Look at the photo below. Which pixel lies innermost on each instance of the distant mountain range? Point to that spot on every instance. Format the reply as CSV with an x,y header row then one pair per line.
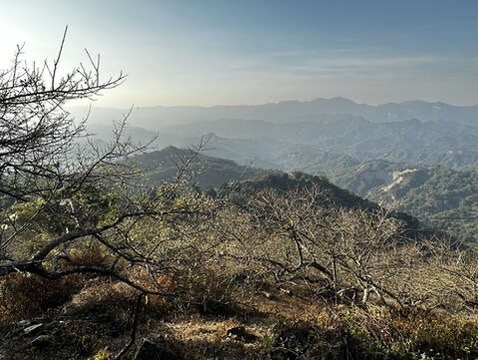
x,y
290,111
415,156
416,132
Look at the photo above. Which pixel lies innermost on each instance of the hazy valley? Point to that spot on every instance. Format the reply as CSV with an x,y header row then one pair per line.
x,y
415,157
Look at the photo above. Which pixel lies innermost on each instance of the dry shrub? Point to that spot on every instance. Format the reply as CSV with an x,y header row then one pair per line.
x,y
25,296
89,254
103,300
114,300
153,280
210,290
433,332
165,283
376,332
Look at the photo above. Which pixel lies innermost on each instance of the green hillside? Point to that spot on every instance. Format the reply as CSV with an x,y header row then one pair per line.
x,y
443,198
206,171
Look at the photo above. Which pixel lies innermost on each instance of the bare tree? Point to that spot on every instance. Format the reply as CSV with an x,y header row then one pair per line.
x,y
304,240
36,132
56,194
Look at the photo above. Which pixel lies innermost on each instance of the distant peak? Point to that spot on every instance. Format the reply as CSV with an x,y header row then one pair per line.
x,y
169,149
340,98
337,99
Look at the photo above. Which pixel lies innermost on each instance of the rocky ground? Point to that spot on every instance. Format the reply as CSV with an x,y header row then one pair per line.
x,y
253,328
275,322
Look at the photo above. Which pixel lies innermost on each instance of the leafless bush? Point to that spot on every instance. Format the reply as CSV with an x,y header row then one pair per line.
x,y
342,254
60,200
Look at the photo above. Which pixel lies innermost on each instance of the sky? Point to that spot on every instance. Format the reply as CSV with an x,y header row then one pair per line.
x,y
214,52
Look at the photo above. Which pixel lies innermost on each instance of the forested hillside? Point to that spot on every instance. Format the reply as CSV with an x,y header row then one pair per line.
x,y
442,198
162,167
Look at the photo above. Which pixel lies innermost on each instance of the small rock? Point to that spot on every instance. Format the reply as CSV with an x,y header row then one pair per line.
x,y
286,291
240,333
24,323
42,341
32,329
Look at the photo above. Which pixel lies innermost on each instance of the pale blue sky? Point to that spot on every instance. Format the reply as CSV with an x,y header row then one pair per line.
x,y
210,52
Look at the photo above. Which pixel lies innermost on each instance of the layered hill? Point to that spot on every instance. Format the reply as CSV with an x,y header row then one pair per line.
x,y
416,156
288,135
205,171
225,178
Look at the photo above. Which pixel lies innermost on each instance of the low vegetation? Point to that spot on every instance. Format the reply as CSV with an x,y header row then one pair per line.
x,y
441,197
299,276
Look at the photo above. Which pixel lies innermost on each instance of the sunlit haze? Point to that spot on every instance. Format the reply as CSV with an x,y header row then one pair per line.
x,y
189,52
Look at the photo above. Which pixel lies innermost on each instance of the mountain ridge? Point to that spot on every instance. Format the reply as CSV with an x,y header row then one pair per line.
x,y
288,110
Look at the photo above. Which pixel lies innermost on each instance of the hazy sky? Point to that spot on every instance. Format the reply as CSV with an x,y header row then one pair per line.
x,y
205,52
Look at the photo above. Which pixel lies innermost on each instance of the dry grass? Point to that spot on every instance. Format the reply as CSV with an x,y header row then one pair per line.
x,y
255,272
89,254
25,296
288,325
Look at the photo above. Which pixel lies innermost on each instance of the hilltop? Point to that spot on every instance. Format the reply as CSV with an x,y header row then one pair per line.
x,y
206,171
